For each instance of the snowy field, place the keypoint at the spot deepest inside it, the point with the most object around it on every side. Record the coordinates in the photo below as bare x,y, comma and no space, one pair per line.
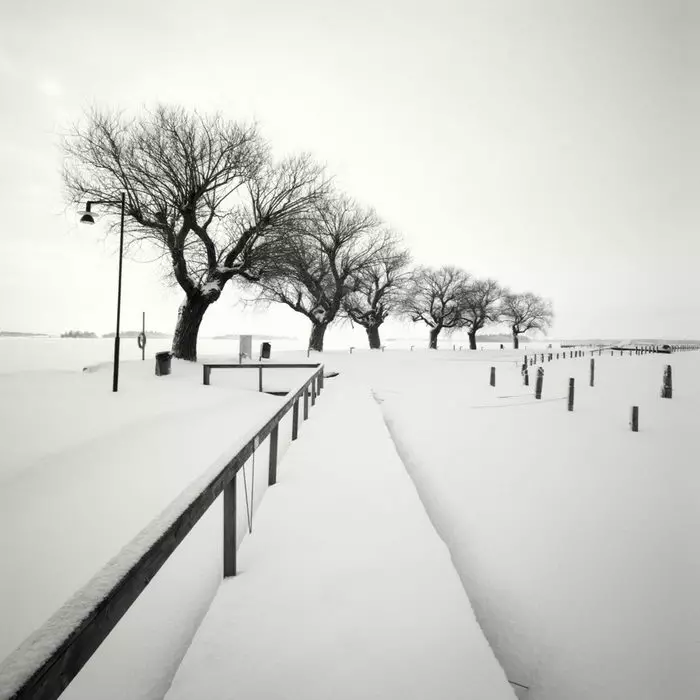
572,536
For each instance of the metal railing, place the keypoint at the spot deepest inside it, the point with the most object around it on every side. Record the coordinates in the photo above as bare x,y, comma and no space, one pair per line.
42,667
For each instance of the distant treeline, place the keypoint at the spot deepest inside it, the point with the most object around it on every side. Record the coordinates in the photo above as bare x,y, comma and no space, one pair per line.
78,334
20,334
135,334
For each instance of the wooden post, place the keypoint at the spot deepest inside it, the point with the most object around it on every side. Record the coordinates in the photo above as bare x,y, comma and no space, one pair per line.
592,382
667,387
295,420
274,435
321,381
143,330
538,383
206,373
306,402
526,378
313,391
259,378
543,357
634,419
492,378
571,394
230,528
351,349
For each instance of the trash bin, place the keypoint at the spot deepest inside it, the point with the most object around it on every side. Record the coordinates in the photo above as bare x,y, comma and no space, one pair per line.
163,363
265,351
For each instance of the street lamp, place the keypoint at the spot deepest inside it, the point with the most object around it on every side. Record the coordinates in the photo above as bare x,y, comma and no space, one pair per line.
87,217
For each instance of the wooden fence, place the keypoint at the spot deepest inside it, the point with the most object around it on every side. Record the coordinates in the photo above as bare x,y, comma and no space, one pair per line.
49,659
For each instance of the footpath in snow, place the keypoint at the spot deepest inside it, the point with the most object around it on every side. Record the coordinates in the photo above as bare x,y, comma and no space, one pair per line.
344,588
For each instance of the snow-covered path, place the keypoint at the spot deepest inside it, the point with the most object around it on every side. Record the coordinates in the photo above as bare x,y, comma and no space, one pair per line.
345,590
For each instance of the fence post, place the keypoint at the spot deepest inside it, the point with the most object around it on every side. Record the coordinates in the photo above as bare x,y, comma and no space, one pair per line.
667,387
313,391
492,378
272,478
230,528
306,402
634,419
295,419
592,383
571,394
206,373
538,382
526,378
259,378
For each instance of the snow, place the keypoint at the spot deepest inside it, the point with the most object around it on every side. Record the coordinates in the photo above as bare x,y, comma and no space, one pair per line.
344,589
570,534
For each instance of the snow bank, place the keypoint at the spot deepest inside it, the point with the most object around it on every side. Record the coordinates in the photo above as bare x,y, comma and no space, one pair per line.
344,589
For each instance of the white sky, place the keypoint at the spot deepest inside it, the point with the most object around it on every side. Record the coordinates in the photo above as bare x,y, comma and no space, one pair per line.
552,145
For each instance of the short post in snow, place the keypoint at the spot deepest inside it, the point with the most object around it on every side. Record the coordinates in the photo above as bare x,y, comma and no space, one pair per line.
667,387
526,377
411,348
543,358
634,419
592,381
570,405
272,474
492,378
306,402
538,382
295,420
260,379
351,349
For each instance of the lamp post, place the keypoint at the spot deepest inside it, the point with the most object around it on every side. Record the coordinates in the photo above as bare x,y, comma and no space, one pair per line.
87,217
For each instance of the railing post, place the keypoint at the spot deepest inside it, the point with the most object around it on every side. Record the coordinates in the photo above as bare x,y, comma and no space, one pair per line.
306,402
206,373
272,479
295,419
571,394
592,379
492,378
538,383
230,528
313,391
260,379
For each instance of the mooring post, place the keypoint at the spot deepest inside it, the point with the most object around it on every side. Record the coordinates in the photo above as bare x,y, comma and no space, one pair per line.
492,379
538,382
571,394
634,419
592,382
667,387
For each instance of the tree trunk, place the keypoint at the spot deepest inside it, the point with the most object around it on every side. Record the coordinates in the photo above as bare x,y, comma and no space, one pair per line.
373,334
434,333
318,330
472,340
516,341
189,318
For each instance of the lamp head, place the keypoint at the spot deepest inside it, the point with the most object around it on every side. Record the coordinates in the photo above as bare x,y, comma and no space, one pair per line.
87,217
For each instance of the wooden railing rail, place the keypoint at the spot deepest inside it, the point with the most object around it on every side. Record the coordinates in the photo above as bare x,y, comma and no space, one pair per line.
49,659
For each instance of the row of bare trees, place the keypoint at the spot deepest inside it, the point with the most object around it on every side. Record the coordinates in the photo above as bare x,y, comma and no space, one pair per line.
208,195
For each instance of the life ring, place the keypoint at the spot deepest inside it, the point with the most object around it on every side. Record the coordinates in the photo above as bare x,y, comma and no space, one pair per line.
141,340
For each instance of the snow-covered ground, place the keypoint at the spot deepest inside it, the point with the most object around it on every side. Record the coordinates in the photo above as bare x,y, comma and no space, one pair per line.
572,536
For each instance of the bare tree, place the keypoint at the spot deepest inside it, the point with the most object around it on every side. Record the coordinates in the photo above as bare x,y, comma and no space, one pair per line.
377,289
320,259
525,312
436,297
202,189
481,306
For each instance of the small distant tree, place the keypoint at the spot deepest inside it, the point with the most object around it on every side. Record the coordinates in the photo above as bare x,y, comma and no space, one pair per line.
481,306
319,260
436,297
201,189
377,289
526,312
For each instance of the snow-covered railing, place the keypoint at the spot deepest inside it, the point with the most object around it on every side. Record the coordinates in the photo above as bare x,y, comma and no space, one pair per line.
42,667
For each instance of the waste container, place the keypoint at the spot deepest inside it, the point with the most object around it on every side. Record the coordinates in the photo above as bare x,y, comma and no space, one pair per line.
265,351
163,363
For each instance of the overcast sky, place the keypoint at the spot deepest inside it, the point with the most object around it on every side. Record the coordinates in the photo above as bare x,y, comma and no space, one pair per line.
552,144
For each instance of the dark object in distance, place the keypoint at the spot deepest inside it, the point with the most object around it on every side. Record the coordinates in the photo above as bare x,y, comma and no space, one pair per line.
163,363
665,349
265,351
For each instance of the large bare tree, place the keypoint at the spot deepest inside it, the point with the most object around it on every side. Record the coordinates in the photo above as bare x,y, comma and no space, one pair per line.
481,306
321,258
436,297
378,288
202,189
526,312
